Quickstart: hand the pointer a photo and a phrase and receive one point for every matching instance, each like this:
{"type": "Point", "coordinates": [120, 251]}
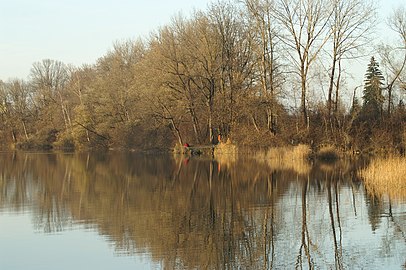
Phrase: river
{"type": "Point", "coordinates": [130, 211]}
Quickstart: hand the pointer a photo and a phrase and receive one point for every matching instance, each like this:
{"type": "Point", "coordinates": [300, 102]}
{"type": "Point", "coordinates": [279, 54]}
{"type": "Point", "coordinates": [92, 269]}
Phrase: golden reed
{"type": "Point", "coordinates": [287, 158]}
{"type": "Point", "coordinates": [386, 177]}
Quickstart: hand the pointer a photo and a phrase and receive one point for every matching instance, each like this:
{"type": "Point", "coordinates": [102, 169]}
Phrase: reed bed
{"type": "Point", "coordinates": [225, 154]}
{"type": "Point", "coordinates": [225, 148]}
{"type": "Point", "coordinates": [287, 158]}
{"type": "Point", "coordinates": [386, 177]}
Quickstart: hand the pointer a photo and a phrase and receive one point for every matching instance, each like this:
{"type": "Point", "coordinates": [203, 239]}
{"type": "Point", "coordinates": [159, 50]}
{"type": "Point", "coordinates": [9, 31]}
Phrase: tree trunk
{"type": "Point", "coordinates": [87, 136]}
{"type": "Point", "coordinates": [231, 123]}
{"type": "Point", "coordinates": [337, 87]}
{"type": "Point", "coordinates": [210, 125]}
{"type": "Point", "coordinates": [13, 135]}
{"type": "Point", "coordinates": [271, 74]}
{"type": "Point", "coordinates": [303, 101]}
{"type": "Point", "coordinates": [389, 99]}
{"type": "Point", "coordinates": [25, 130]}
{"type": "Point", "coordinates": [210, 101]}
{"type": "Point", "coordinates": [330, 88]}
{"type": "Point", "coordinates": [65, 120]}
{"type": "Point", "coordinates": [195, 123]}
{"type": "Point", "coordinates": [254, 122]}
{"type": "Point", "coordinates": [176, 131]}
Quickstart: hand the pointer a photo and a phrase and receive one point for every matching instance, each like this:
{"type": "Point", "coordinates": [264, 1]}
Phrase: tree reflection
{"type": "Point", "coordinates": [374, 211]}
{"type": "Point", "coordinates": [337, 243]}
{"type": "Point", "coordinates": [189, 213]}
{"type": "Point", "coordinates": [304, 247]}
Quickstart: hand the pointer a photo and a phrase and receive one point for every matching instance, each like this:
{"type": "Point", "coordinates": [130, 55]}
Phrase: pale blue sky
{"type": "Point", "coordinates": [76, 31]}
{"type": "Point", "coordinates": [80, 31]}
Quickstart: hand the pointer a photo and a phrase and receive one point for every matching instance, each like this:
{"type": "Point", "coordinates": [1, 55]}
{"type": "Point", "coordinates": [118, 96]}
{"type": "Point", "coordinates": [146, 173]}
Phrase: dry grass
{"type": "Point", "coordinates": [287, 158]}
{"type": "Point", "coordinates": [386, 177]}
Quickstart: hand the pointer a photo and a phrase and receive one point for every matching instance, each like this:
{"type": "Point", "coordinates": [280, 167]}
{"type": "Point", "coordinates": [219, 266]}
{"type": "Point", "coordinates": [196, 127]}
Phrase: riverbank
{"type": "Point", "coordinates": [382, 175]}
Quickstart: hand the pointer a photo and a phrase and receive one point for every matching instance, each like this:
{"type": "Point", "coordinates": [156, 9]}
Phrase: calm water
{"type": "Point", "coordinates": [123, 211]}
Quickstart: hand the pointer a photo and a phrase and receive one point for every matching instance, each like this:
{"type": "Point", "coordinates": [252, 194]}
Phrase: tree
{"type": "Point", "coordinates": [16, 110]}
{"type": "Point", "coordinates": [116, 92]}
{"type": "Point", "coordinates": [350, 24]}
{"type": "Point", "coordinates": [48, 79]}
{"type": "Point", "coordinates": [306, 31]}
{"type": "Point", "coordinates": [173, 68]}
{"type": "Point", "coordinates": [236, 62]}
{"type": "Point", "coordinates": [19, 94]}
{"type": "Point", "coordinates": [7, 123]}
{"type": "Point", "coordinates": [265, 46]}
{"type": "Point", "coordinates": [394, 57]}
{"type": "Point", "coordinates": [79, 86]}
{"type": "Point", "coordinates": [203, 47]}
{"type": "Point", "coordinates": [372, 94]}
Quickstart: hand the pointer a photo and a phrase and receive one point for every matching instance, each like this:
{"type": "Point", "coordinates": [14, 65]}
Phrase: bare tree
{"type": "Point", "coordinates": [236, 65]}
{"type": "Point", "coordinates": [79, 84]}
{"type": "Point", "coordinates": [394, 57]}
{"type": "Point", "coordinates": [19, 96]}
{"type": "Point", "coordinates": [171, 61]}
{"type": "Point", "coordinates": [49, 79]}
{"type": "Point", "coordinates": [265, 46]}
{"type": "Point", "coordinates": [350, 24]}
{"type": "Point", "coordinates": [306, 31]}
{"type": "Point", "coordinates": [117, 79]}
{"type": "Point", "coordinates": [203, 47]}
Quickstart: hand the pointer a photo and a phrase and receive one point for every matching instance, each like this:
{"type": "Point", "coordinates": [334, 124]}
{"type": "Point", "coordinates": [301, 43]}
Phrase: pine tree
{"type": "Point", "coordinates": [373, 98]}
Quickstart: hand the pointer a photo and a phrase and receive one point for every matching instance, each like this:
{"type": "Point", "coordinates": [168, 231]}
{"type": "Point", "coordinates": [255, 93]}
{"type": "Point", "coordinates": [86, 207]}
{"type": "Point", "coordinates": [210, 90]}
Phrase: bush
{"type": "Point", "coordinates": [64, 141]}
{"type": "Point", "coordinates": [328, 153]}
{"type": "Point", "coordinates": [33, 144]}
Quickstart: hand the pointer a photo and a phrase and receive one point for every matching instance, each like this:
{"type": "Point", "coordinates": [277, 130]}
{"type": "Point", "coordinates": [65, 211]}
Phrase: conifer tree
{"type": "Point", "coordinates": [373, 98]}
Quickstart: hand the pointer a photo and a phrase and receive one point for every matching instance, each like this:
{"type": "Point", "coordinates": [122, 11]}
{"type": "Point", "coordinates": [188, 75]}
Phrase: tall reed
{"type": "Point", "coordinates": [386, 177]}
{"type": "Point", "coordinates": [287, 158]}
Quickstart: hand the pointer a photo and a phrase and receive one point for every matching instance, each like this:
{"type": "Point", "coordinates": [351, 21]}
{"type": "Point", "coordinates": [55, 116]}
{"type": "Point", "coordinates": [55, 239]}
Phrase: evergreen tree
{"type": "Point", "coordinates": [373, 98]}
{"type": "Point", "coordinates": [355, 108]}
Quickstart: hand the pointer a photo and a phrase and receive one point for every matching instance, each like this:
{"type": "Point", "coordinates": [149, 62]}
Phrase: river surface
{"type": "Point", "coordinates": [127, 211]}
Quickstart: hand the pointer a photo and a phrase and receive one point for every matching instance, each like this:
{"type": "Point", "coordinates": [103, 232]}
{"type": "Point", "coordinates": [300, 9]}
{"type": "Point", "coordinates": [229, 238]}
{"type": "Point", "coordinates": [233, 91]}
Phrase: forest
{"type": "Point", "coordinates": [261, 73]}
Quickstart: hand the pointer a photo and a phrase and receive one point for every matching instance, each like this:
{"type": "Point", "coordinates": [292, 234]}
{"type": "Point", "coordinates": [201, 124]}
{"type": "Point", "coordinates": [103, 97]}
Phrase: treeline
{"type": "Point", "coordinates": [259, 72]}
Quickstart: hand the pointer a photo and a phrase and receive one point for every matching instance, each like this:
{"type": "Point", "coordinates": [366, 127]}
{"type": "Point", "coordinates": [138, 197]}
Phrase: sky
{"type": "Point", "coordinates": [80, 31]}
{"type": "Point", "coordinates": [76, 31]}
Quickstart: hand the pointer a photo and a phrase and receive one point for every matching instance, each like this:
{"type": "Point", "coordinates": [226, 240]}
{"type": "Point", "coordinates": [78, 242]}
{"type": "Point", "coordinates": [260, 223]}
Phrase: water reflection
{"type": "Point", "coordinates": [226, 214]}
